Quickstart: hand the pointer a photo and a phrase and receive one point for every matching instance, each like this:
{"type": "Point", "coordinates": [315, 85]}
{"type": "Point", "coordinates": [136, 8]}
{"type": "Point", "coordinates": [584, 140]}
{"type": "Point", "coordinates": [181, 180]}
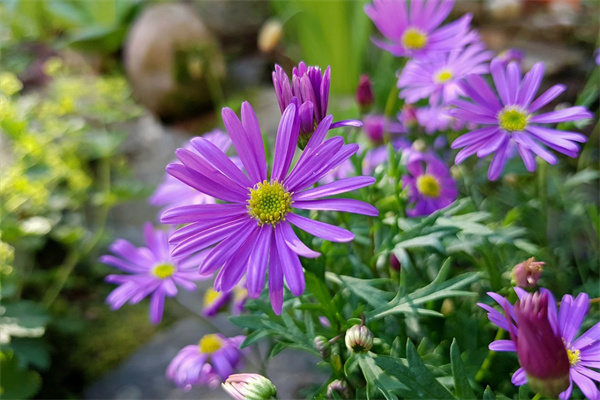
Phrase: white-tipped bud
{"type": "Point", "coordinates": [270, 35]}
{"type": "Point", "coordinates": [249, 387]}
{"type": "Point", "coordinates": [340, 388]}
{"type": "Point", "coordinates": [359, 339]}
{"type": "Point", "coordinates": [322, 345]}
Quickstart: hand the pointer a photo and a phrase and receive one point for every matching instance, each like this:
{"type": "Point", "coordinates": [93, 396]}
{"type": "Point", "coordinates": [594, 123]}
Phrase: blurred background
{"type": "Point", "coordinates": [95, 96]}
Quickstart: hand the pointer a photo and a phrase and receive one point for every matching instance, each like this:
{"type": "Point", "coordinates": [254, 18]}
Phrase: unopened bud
{"type": "Point", "coordinates": [340, 388]}
{"type": "Point", "coordinates": [359, 339]}
{"type": "Point", "coordinates": [364, 93]}
{"type": "Point", "coordinates": [322, 345]}
{"type": "Point", "coordinates": [527, 273]}
{"type": "Point", "coordinates": [270, 35]}
{"type": "Point", "coordinates": [249, 387]}
{"type": "Point", "coordinates": [395, 263]}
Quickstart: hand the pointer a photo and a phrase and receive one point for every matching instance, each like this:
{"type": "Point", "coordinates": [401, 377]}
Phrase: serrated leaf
{"type": "Point", "coordinates": [377, 379]}
{"type": "Point", "coordinates": [461, 382]}
{"type": "Point", "coordinates": [365, 289]}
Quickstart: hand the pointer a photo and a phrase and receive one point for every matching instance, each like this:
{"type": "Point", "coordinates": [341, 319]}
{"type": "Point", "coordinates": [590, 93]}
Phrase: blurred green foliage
{"type": "Point", "coordinates": [61, 172]}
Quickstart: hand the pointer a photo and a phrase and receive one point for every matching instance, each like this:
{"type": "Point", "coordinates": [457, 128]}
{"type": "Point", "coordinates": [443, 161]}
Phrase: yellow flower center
{"type": "Point", "coordinates": [414, 39]}
{"type": "Point", "coordinates": [442, 76]}
{"type": "Point", "coordinates": [428, 186]}
{"type": "Point", "coordinates": [269, 202]}
{"type": "Point", "coordinates": [210, 296]}
{"type": "Point", "coordinates": [210, 343]}
{"type": "Point", "coordinates": [512, 119]}
{"type": "Point", "coordinates": [163, 270]}
{"type": "Point", "coordinates": [574, 357]}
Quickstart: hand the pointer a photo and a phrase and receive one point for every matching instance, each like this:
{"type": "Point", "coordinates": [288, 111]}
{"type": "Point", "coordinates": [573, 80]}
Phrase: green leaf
{"type": "Point", "coordinates": [461, 382]}
{"type": "Point", "coordinates": [31, 351]}
{"type": "Point", "coordinates": [16, 383]}
{"type": "Point", "coordinates": [377, 379]}
{"type": "Point", "coordinates": [22, 319]}
{"type": "Point", "coordinates": [488, 394]}
{"type": "Point", "coordinates": [365, 289]}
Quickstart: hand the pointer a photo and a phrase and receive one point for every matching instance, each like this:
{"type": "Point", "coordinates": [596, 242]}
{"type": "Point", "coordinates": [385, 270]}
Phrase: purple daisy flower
{"type": "Point", "coordinates": [376, 126]}
{"type": "Point", "coordinates": [214, 301]}
{"type": "Point", "coordinates": [437, 76]}
{"type": "Point", "coordinates": [153, 271]}
{"type": "Point", "coordinates": [583, 352]}
{"type": "Point", "coordinates": [173, 193]}
{"type": "Point", "coordinates": [513, 119]}
{"type": "Point", "coordinates": [252, 228]}
{"type": "Point", "coordinates": [437, 118]}
{"type": "Point", "coordinates": [417, 32]}
{"type": "Point", "coordinates": [311, 88]}
{"type": "Point", "coordinates": [210, 362]}
{"type": "Point", "coordinates": [429, 184]}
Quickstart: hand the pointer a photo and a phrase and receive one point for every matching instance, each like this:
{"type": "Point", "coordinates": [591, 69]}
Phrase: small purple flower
{"type": "Point", "coordinates": [510, 55]}
{"type": "Point", "coordinates": [583, 353]}
{"type": "Point", "coordinates": [437, 76]}
{"type": "Point", "coordinates": [153, 272]}
{"type": "Point", "coordinates": [209, 362]}
{"type": "Point", "coordinates": [214, 301]}
{"type": "Point", "coordinates": [376, 126]}
{"type": "Point", "coordinates": [311, 88]}
{"type": "Point", "coordinates": [514, 119]}
{"type": "Point", "coordinates": [417, 32]}
{"type": "Point", "coordinates": [437, 118]}
{"type": "Point", "coordinates": [429, 184]}
{"type": "Point", "coordinates": [252, 227]}
{"type": "Point", "coordinates": [173, 193]}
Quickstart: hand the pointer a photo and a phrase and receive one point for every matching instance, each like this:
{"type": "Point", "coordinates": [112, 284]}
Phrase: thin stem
{"type": "Point", "coordinates": [488, 360]}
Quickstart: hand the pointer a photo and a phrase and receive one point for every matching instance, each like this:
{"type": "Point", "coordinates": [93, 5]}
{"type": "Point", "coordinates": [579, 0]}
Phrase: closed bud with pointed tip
{"type": "Point", "coordinates": [364, 93]}
{"type": "Point", "coordinates": [249, 387]}
{"type": "Point", "coordinates": [359, 339]}
{"type": "Point", "coordinates": [338, 387]}
{"type": "Point", "coordinates": [322, 345]}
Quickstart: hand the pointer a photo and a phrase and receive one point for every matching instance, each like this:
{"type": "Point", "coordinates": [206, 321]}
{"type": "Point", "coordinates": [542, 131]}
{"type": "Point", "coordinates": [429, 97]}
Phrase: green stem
{"type": "Point", "coordinates": [488, 360]}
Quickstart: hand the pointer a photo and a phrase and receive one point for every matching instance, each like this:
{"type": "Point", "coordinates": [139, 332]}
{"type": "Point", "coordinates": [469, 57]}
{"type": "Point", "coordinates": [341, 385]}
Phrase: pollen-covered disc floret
{"type": "Point", "coordinates": [574, 356]}
{"type": "Point", "coordinates": [210, 343]}
{"type": "Point", "coordinates": [428, 185]}
{"type": "Point", "coordinates": [163, 270]}
{"type": "Point", "coordinates": [443, 76]}
{"type": "Point", "coordinates": [414, 39]}
{"type": "Point", "coordinates": [269, 202]}
{"type": "Point", "coordinates": [512, 119]}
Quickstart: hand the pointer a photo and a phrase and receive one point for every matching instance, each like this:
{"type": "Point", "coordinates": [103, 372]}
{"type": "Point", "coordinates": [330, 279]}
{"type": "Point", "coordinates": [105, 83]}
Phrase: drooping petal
{"type": "Point", "coordinates": [275, 281]}
{"type": "Point", "coordinates": [345, 205]}
{"type": "Point", "coordinates": [257, 265]}
{"type": "Point", "coordinates": [334, 188]}
{"type": "Point", "coordinates": [320, 229]}
{"type": "Point", "coordinates": [157, 303]}
{"type": "Point", "coordinates": [295, 244]}
{"type": "Point", "coordinates": [290, 265]}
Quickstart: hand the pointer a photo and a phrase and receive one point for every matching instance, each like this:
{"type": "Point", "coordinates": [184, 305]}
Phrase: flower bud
{"type": "Point", "coordinates": [364, 93]}
{"type": "Point", "coordinates": [541, 350]}
{"type": "Point", "coordinates": [359, 339]}
{"type": "Point", "coordinates": [270, 35]}
{"type": "Point", "coordinates": [340, 388]}
{"type": "Point", "coordinates": [395, 263]}
{"type": "Point", "coordinates": [322, 345]}
{"type": "Point", "coordinates": [249, 387]}
{"type": "Point", "coordinates": [527, 273]}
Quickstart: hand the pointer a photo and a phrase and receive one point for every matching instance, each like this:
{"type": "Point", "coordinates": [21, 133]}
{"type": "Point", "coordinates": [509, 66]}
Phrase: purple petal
{"type": "Point", "coordinates": [492, 144]}
{"type": "Point", "coordinates": [527, 157]}
{"type": "Point", "coordinates": [499, 76]}
{"type": "Point", "coordinates": [497, 164]}
{"type": "Point", "coordinates": [290, 263]}
{"type": "Point", "coordinates": [235, 266]}
{"type": "Point", "coordinates": [345, 205]}
{"type": "Point", "coordinates": [503, 345]}
{"type": "Point", "coordinates": [203, 184]}
{"type": "Point", "coordinates": [295, 244]}
{"type": "Point", "coordinates": [346, 122]}
{"type": "Point", "coordinates": [227, 248]}
{"type": "Point", "coordinates": [546, 97]}
{"type": "Point", "coordinates": [200, 212]}
{"type": "Point", "coordinates": [519, 378]}
{"type": "Point", "coordinates": [250, 124]}
{"type": "Point", "coordinates": [241, 142]}
{"type": "Point", "coordinates": [215, 156]}
{"type": "Point", "coordinates": [287, 139]}
{"type": "Point", "coordinates": [481, 93]}
{"type": "Point", "coordinates": [321, 229]}
{"type": "Point", "coordinates": [513, 77]}
{"type": "Point", "coordinates": [590, 336]}
{"type": "Point", "coordinates": [477, 135]}
{"type": "Point", "coordinates": [222, 365]}
{"type": "Point", "coordinates": [257, 265]}
{"type": "Point", "coordinates": [529, 143]}
{"type": "Point", "coordinates": [531, 84]}
{"type": "Point", "coordinates": [303, 171]}
{"type": "Point", "coordinates": [587, 386]}
{"type": "Point", "coordinates": [334, 188]}
{"type": "Point", "coordinates": [208, 237]}
{"type": "Point", "coordinates": [157, 303]}
{"type": "Point", "coordinates": [571, 315]}
{"type": "Point", "coordinates": [567, 114]}
{"type": "Point", "coordinates": [275, 281]}
{"type": "Point", "coordinates": [197, 228]}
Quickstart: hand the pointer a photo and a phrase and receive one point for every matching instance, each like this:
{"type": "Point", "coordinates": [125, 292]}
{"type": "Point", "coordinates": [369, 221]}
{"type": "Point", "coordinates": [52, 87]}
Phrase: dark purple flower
{"type": "Point", "coordinates": [252, 227]}
{"type": "Point", "coordinates": [417, 32]}
{"type": "Point", "coordinates": [436, 77]}
{"type": "Point", "coordinates": [311, 88]}
{"type": "Point", "coordinates": [152, 272]}
{"type": "Point", "coordinates": [364, 93]}
{"type": "Point", "coordinates": [514, 119]}
{"type": "Point", "coordinates": [429, 184]}
{"type": "Point", "coordinates": [583, 353]}
{"type": "Point", "coordinates": [541, 351]}
{"type": "Point", "coordinates": [209, 362]}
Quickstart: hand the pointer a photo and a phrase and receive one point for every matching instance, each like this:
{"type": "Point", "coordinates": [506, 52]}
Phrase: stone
{"type": "Point", "coordinates": [173, 61]}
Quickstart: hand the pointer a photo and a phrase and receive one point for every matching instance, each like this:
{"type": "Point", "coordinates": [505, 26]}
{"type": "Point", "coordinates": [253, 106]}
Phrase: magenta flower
{"type": "Point", "coordinates": [376, 126]}
{"type": "Point", "coordinates": [583, 352]}
{"type": "Point", "coordinates": [252, 228]}
{"type": "Point", "coordinates": [364, 93]}
{"type": "Point", "coordinates": [173, 193]}
{"type": "Point", "coordinates": [209, 362]}
{"type": "Point", "coordinates": [429, 184]}
{"type": "Point", "coordinates": [311, 88]}
{"type": "Point", "coordinates": [153, 272]}
{"type": "Point", "coordinates": [417, 32]}
{"type": "Point", "coordinates": [513, 119]}
{"type": "Point", "coordinates": [437, 76]}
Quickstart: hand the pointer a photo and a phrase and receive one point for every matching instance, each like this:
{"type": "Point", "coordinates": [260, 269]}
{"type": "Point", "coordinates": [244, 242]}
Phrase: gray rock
{"type": "Point", "coordinates": [173, 61]}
